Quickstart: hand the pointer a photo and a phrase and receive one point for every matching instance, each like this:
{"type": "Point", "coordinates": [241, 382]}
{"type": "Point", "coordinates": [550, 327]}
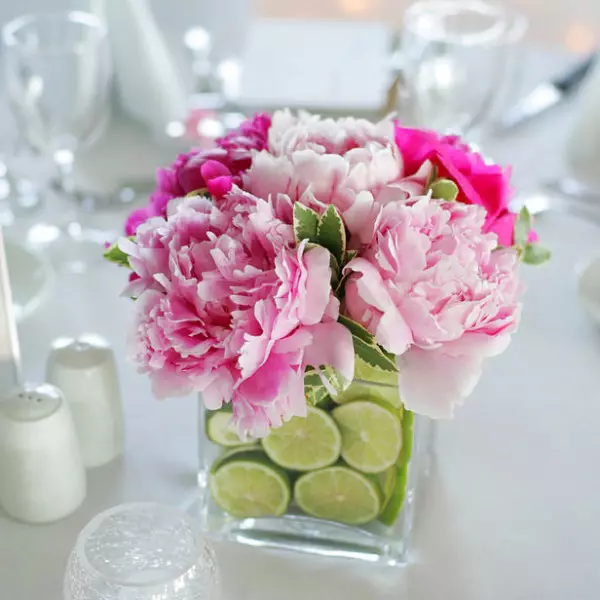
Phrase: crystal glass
{"type": "Point", "coordinates": [58, 74]}
{"type": "Point", "coordinates": [141, 552]}
{"type": "Point", "coordinates": [459, 61]}
{"type": "Point", "coordinates": [384, 532]}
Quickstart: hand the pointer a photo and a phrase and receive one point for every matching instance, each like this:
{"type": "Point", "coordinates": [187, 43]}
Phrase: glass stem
{"type": "Point", "coordinates": [64, 160]}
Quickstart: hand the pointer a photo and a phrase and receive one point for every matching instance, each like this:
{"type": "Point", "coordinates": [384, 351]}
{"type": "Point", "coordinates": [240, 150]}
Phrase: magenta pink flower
{"type": "Point", "coordinates": [479, 183]}
{"type": "Point", "coordinates": [216, 169]}
{"type": "Point", "coordinates": [434, 292]}
{"type": "Point", "coordinates": [230, 307]}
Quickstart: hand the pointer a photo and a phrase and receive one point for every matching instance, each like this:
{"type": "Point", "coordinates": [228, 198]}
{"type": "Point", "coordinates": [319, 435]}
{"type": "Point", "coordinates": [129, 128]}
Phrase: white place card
{"type": "Point", "coordinates": [329, 65]}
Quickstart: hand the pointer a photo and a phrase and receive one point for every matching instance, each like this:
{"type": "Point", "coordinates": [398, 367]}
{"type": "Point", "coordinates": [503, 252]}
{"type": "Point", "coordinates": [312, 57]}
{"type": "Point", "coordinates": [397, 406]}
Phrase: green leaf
{"type": "Point", "coordinates": [198, 192]}
{"type": "Point", "coordinates": [115, 255]}
{"type": "Point", "coordinates": [523, 226]}
{"type": "Point", "coordinates": [331, 233]}
{"type": "Point", "coordinates": [374, 355]}
{"type": "Point", "coordinates": [306, 221]}
{"type": "Point", "coordinates": [350, 254]}
{"type": "Point", "coordinates": [336, 270]}
{"type": "Point", "coordinates": [312, 379]}
{"type": "Point", "coordinates": [337, 383]}
{"type": "Point", "coordinates": [536, 254]}
{"type": "Point", "coordinates": [432, 177]}
{"type": "Point", "coordinates": [444, 189]}
{"type": "Point", "coordinates": [316, 395]}
{"type": "Point", "coordinates": [357, 330]}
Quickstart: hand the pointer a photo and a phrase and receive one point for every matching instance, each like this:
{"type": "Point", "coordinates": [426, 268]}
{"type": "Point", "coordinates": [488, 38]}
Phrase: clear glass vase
{"type": "Point", "coordinates": [343, 482]}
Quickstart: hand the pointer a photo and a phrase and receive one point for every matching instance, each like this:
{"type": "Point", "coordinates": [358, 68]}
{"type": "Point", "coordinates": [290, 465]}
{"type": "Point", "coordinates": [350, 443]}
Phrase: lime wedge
{"type": "Point", "coordinates": [250, 488]}
{"type": "Point", "coordinates": [305, 444]}
{"type": "Point", "coordinates": [371, 435]}
{"type": "Point", "coordinates": [338, 494]}
{"type": "Point", "coordinates": [221, 430]}
{"type": "Point", "coordinates": [393, 503]}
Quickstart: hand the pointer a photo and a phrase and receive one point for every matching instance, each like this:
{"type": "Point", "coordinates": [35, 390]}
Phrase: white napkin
{"type": "Point", "coordinates": [340, 65]}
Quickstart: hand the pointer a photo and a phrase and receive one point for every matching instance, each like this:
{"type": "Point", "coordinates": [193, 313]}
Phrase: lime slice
{"type": "Point", "coordinates": [221, 430]}
{"type": "Point", "coordinates": [250, 488]}
{"type": "Point", "coordinates": [338, 494]}
{"type": "Point", "coordinates": [371, 435]}
{"type": "Point", "coordinates": [251, 451]}
{"type": "Point", "coordinates": [393, 503]}
{"type": "Point", "coordinates": [305, 444]}
{"type": "Point", "coordinates": [408, 419]}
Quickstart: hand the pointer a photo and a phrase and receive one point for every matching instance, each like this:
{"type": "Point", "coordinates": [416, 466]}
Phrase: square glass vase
{"type": "Point", "coordinates": [343, 482]}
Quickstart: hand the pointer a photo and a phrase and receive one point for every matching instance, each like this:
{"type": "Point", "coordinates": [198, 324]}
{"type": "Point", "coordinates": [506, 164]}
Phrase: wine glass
{"type": "Point", "coordinates": [58, 74]}
{"type": "Point", "coordinates": [459, 61]}
{"type": "Point", "coordinates": [141, 551]}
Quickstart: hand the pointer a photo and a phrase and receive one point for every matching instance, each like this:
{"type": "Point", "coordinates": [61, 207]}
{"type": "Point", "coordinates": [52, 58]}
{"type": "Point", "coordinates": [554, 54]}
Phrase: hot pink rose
{"type": "Point", "coordinates": [230, 307]}
{"type": "Point", "coordinates": [479, 183]}
{"type": "Point", "coordinates": [434, 292]}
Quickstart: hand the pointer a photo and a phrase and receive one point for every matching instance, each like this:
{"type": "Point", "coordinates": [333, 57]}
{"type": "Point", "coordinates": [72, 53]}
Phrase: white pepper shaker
{"type": "Point", "coordinates": [42, 477]}
{"type": "Point", "coordinates": [84, 370]}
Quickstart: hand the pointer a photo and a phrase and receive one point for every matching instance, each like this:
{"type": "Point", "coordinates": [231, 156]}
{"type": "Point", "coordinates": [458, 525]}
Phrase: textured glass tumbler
{"type": "Point", "coordinates": [141, 552]}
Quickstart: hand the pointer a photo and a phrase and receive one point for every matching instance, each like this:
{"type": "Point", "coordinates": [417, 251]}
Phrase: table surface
{"type": "Point", "coordinates": [511, 509]}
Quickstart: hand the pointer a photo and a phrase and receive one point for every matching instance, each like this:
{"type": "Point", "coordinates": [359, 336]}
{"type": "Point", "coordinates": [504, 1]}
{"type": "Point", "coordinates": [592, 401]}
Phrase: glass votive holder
{"type": "Point", "coordinates": [142, 551]}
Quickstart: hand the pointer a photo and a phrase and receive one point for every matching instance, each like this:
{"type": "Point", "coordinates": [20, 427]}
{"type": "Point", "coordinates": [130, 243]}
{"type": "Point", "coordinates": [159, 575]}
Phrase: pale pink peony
{"type": "Point", "coordinates": [434, 292]}
{"type": "Point", "coordinates": [229, 306]}
{"type": "Point", "coordinates": [320, 162]}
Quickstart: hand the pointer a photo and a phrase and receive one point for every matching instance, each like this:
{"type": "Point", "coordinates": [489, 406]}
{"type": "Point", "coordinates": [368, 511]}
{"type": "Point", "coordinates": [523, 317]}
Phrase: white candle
{"type": "Point", "coordinates": [42, 478]}
{"type": "Point", "coordinates": [84, 370]}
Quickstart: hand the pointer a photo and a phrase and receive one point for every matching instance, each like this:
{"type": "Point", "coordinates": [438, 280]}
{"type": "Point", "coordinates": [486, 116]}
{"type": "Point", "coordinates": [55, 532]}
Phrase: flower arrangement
{"type": "Point", "coordinates": [299, 252]}
{"type": "Point", "coordinates": [298, 241]}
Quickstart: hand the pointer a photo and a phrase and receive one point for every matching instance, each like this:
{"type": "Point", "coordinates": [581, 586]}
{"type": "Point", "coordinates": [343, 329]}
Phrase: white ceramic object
{"type": "Point", "coordinates": [150, 87]}
{"type": "Point", "coordinates": [31, 278]}
{"type": "Point", "coordinates": [589, 289]}
{"type": "Point", "coordinates": [42, 477]}
{"type": "Point", "coordinates": [84, 370]}
{"type": "Point", "coordinates": [583, 145]}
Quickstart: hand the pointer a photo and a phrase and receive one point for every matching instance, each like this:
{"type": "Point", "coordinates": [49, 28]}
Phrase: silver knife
{"type": "Point", "coordinates": [545, 96]}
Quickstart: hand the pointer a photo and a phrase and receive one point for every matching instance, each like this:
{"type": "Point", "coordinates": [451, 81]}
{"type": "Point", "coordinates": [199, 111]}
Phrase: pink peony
{"type": "Point", "coordinates": [479, 183]}
{"type": "Point", "coordinates": [321, 161]}
{"type": "Point", "coordinates": [216, 169]}
{"type": "Point", "coordinates": [229, 306]}
{"type": "Point", "coordinates": [434, 292]}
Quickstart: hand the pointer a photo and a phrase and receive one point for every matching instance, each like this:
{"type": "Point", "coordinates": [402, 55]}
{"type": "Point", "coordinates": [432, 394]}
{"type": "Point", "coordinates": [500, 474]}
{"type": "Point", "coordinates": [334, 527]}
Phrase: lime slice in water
{"type": "Point", "coordinates": [371, 435]}
{"type": "Point", "coordinates": [305, 444]}
{"type": "Point", "coordinates": [250, 488]}
{"type": "Point", "coordinates": [221, 430]}
{"type": "Point", "coordinates": [338, 494]}
{"type": "Point", "coordinates": [395, 500]}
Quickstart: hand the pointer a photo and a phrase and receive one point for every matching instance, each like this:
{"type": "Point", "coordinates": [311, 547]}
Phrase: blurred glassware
{"type": "Point", "coordinates": [58, 75]}
{"type": "Point", "coordinates": [141, 551]}
{"type": "Point", "coordinates": [213, 103]}
{"type": "Point", "coordinates": [459, 61]}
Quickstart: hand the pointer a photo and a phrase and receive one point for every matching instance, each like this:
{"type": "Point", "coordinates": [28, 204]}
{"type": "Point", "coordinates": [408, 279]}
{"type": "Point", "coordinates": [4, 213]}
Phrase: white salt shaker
{"type": "Point", "coordinates": [84, 370]}
{"type": "Point", "coordinates": [42, 477]}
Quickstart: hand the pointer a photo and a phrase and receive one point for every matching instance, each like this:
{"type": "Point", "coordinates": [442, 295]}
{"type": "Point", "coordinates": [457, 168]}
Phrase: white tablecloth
{"type": "Point", "coordinates": [511, 511]}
